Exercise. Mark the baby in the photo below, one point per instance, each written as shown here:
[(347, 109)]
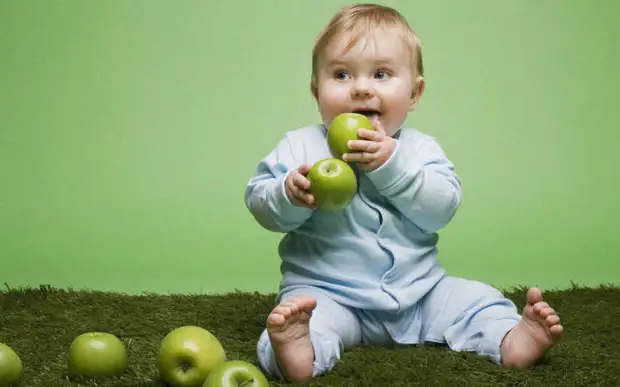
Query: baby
[(369, 274)]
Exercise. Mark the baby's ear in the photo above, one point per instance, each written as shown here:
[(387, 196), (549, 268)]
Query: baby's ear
[(314, 89), (416, 92)]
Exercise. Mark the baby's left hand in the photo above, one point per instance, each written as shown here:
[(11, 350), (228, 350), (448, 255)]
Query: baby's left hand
[(373, 150)]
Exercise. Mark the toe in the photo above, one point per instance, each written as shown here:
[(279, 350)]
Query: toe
[(557, 330), (275, 320), (546, 312), (306, 304), (534, 295), (552, 320), (540, 306), (292, 306), (283, 310)]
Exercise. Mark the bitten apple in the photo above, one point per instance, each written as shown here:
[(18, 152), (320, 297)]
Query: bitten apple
[(344, 128)]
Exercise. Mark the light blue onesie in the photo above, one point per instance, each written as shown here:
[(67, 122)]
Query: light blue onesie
[(373, 266)]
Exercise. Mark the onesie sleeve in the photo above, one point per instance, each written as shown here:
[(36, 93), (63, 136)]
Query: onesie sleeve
[(421, 183), (265, 195)]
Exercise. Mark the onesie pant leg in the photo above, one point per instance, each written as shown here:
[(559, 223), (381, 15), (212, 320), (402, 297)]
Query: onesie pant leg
[(333, 328), (467, 316)]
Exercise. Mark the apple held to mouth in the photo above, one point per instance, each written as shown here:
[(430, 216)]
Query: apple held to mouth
[(96, 355), (333, 184), (11, 367), (236, 373), (344, 128), (187, 355)]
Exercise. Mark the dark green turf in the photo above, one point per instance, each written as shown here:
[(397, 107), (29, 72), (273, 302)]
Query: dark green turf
[(41, 323)]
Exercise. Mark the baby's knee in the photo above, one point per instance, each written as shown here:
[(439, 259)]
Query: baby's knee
[(491, 291), (481, 291)]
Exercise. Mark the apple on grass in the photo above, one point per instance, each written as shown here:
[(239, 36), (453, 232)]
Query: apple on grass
[(96, 355), (187, 355), (11, 367), (333, 184), (344, 128), (236, 373)]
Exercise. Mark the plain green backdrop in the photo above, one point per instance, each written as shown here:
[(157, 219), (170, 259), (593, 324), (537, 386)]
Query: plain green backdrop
[(128, 131)]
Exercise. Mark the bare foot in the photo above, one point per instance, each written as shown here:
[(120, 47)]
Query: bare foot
[(288, 326), (538, 330)]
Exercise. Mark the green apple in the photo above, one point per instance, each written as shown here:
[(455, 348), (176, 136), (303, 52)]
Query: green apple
[(11, 367), (236, 373), (333, 184), (187, 354), (96, 355), (344, 128)]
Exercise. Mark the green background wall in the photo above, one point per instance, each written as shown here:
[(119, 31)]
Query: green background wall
[(128, 130)]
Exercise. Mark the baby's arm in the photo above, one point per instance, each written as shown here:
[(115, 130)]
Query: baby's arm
[(265, 195), (421, 184)]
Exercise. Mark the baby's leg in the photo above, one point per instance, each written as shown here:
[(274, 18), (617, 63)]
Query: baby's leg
[(475, 317), (306, 335)]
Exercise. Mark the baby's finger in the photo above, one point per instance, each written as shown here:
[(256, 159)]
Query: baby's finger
[(378, 125), (304, 196), (301, 181), (367, 166), (358, 157), (364, 146), (371, 135), (304, 169), (290, 192), (295, 199)]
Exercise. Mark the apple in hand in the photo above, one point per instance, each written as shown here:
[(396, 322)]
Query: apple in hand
[(187, 354), (11, 367), (236, 373), (96, 355), (344, 128), (333, 184)]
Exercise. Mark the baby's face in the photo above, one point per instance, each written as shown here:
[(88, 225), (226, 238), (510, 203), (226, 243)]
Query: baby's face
[(374, 77)]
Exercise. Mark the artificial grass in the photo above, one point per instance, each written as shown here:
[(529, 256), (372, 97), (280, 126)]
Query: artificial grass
[(41, 323)]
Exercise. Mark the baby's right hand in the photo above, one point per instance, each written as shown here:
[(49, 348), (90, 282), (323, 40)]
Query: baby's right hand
[(297, 187)]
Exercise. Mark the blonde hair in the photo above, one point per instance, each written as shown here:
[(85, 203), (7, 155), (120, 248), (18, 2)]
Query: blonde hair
[(360, 19)]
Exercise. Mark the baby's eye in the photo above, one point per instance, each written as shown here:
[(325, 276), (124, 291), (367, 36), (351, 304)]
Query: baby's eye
[(381, 74), (341, 75)]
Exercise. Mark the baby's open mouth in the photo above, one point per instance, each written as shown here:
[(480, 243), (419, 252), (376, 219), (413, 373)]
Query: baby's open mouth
[(371, 114)]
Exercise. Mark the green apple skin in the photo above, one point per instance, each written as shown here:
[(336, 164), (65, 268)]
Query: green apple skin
[(236, 373), (187, 355), (96, 355), (344, 128), (11, 367), (333, 184)]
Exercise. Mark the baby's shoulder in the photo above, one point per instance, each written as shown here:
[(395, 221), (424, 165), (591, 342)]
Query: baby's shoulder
[(412, 137), (414, 134)]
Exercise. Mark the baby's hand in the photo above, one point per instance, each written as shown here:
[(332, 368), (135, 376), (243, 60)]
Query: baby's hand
[(297, 187), (373, 150)]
